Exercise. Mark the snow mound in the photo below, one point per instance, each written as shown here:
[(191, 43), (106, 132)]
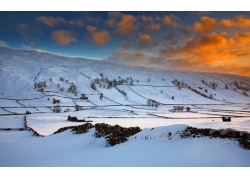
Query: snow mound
[(171, 132)]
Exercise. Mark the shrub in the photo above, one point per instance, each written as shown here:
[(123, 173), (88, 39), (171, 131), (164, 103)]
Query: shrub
[(214, 86), (56, 101), (244, 93), (83, 96), (57, 109), (178, 108), (41, 86), (93, 86), (122, 92), (152, 103), (72, 88), (78, 108), (66, 110), (109, 85), (61, 79), (188, 109), (28, 112)]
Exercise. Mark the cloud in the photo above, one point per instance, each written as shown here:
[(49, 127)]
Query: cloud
[(63, 37), (101, 38), (29, 34), (186, 30), (239, 21), (170, 38), (23, 28), (3, 44), (202, 48), (113, 17), (153, 27), (242, 38), (127, 25), (144, 41), (76, 22), (170, 20), (128, 58), (147, 19), (125, 44), (91, 29), (207, 24), (50, 21)]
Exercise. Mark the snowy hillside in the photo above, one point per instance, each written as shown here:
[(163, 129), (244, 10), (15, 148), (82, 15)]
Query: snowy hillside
[(47, 88)]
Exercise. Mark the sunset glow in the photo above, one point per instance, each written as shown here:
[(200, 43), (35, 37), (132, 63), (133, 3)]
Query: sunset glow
[(196, 41)]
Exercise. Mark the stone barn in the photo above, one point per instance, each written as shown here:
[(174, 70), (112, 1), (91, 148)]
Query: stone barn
[(226, 119)]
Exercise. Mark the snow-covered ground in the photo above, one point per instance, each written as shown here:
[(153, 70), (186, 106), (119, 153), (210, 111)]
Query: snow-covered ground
[(67, 80)]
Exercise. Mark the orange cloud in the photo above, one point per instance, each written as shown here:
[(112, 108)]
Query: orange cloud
[(153, 27), (144, 38), (113, 16), (50, 21), (187, 64), (127, 25), (170, 20), (63, 37), (147, 18), (207, 24), (242, 38), (144, 41), (101, 38), (206, 48), (240, 21), (126, 57), (206, 42), (91, 29)]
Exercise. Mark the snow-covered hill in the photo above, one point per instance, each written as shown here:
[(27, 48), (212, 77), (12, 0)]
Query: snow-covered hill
[(47, 88), (20, 70)]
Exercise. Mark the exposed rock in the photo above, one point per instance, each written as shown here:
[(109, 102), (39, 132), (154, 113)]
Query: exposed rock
[(114, 134), (236, 134), (246, 143), (224, 133), (241, 133)]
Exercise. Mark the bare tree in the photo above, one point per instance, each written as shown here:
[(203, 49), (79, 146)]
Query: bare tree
[(57, 109), (244, 93)]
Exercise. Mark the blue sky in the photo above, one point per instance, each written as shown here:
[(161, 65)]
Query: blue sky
[(200, 40)]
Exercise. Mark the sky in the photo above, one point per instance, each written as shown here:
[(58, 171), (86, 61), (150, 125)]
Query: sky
[(209, 41)]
